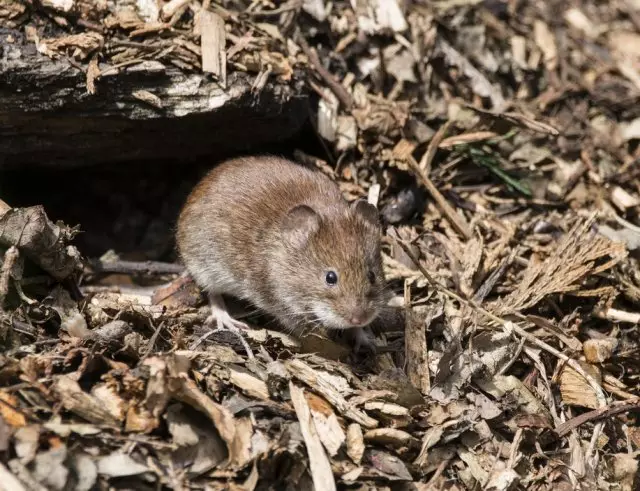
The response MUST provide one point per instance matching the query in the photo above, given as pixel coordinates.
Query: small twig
(617, 315)
(513, 359)
(23, 296)
(458, 222)
(152, 340)
(287, 7)
(24, 328)
(93, 26)
(441, 467)
(510, 326)
(514, 448)
(427, 158)
(134, 267)
(336, 87)
(597, 414)
(496, 459)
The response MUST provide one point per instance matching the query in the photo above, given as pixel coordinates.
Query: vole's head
(333, 265)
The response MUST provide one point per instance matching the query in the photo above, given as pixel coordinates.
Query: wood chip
(415, 345)
(355, 443)
(213, 45)
(318, 461)
(575, 390)
(148, 97)
(86, 406)
(249, 384)
(599, 350)
(320, 383)
(9, 481)
(389, 436)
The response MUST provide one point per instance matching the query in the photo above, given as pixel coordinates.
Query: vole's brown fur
(243, 232)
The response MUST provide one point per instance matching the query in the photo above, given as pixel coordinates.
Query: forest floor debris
(500, 142)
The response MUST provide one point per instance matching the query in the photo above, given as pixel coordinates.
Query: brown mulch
(500, 142)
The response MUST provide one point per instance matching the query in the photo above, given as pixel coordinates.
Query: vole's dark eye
(372, 277)
(331, 278)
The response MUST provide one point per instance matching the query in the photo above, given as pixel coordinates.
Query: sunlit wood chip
(60, 5)
(599, 350)
(9, 415)
(318, 461)
(504, 480)
(148, 97)
(622, 199)
(575, 390)
(9, 481)
(250, 385)
(375, 16)
(387, 408)
(625, 470)
(110, 400)
(329, 429)
(119, 464)
(390, 436)
(355, 443)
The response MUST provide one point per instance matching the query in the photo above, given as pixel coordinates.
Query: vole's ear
(300, 223)
(367, 211)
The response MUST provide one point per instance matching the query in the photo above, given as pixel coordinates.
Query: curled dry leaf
(42, 241)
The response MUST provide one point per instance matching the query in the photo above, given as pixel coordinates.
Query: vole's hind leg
(224, 322)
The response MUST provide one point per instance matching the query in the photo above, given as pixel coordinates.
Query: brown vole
(282, 237)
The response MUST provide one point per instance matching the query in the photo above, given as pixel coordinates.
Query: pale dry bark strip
(212, 43)
(318, 461)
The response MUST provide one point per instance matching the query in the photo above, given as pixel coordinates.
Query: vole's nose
(358, 317)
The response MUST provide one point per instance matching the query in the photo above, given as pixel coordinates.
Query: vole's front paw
(364, 341)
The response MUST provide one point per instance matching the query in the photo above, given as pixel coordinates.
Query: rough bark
(48, 117)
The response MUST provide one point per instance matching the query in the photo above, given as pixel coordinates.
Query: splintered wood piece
(82, 404)
(212, 44)
(415, 342)
(9, 480)
(355, 443)
(322, 384)
(318, 461)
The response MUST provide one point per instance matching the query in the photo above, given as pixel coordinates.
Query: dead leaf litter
(499, 141)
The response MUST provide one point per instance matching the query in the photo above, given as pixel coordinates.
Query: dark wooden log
(47, 116)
